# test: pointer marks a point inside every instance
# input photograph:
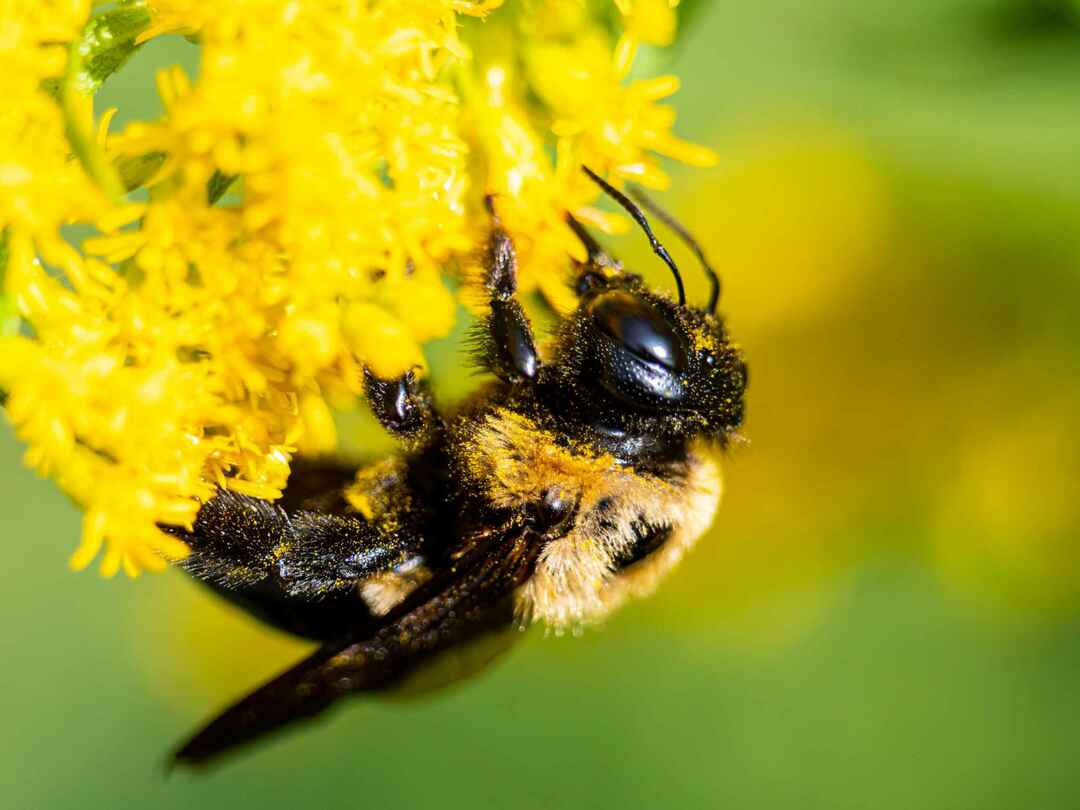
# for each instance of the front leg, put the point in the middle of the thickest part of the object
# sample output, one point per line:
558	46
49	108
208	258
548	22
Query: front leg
507	346
599	267
599	260
403	406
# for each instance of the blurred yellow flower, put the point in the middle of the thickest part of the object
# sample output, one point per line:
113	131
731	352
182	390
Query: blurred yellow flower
288	221
1007	523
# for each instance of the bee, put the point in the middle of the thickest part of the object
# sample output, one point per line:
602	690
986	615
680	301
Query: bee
573	481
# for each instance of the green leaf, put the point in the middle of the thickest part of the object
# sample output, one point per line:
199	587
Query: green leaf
217	185
135	171
79	128
108	41
689	12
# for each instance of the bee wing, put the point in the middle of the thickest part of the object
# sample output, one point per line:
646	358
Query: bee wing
470	598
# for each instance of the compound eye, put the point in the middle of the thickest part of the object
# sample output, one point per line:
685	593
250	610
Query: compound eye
640	328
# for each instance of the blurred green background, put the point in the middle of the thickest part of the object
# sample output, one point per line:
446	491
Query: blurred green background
886	612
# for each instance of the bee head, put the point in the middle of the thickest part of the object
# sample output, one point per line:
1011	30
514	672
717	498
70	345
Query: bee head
655	357
643	364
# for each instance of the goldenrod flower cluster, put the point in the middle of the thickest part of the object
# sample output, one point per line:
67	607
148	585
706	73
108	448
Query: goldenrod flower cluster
292	218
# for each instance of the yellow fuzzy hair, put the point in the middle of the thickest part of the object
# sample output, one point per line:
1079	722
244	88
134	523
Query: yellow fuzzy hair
575	583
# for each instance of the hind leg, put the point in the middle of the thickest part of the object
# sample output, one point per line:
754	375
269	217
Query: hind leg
239	542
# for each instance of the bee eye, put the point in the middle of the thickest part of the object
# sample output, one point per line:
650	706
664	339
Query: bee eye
640	328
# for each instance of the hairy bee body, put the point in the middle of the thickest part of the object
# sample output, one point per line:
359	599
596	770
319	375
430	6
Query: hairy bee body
575	480
628	526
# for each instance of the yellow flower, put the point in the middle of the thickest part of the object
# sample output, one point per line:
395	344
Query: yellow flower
651	21
196	340
40	189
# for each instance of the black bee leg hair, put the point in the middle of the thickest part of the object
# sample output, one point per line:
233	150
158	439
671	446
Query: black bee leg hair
403	406
507	346
239	542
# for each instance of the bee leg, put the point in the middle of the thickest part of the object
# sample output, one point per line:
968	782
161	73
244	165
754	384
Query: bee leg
508	348
403	406
598	267
598	259
239	542
471	598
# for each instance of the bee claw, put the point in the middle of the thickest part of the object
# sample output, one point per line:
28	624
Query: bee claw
397	403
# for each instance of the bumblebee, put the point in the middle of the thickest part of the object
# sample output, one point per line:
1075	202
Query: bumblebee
575	480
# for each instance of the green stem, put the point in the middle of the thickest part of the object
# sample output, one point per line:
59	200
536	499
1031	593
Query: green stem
80	132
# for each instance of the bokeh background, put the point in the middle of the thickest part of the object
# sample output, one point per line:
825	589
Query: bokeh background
887	612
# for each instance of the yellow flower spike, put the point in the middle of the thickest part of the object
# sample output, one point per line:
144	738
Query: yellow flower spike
650	21
103	126
93	536
110	563
119	216
380	340
601	220
170	548
475	8
143	556
685	152
319	435
115	248
646	174
659	88
424	305
558	293
311	338
196	342
625	53
18	358
172	84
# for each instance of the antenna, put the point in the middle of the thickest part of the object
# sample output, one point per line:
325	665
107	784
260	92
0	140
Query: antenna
639	218
682	233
